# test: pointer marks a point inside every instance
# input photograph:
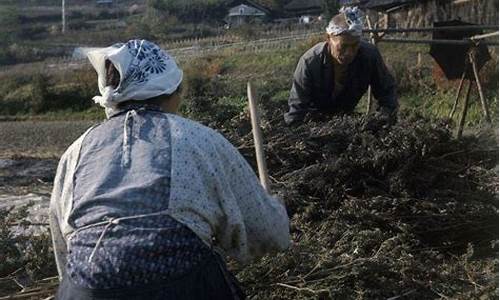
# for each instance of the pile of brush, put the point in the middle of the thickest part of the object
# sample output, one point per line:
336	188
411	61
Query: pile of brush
378	211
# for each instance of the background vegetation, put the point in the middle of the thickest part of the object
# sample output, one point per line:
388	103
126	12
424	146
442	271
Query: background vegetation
219	81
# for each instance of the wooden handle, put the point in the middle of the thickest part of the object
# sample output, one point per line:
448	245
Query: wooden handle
257	137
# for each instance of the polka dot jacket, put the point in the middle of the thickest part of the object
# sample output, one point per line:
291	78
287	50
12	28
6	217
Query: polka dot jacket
163	184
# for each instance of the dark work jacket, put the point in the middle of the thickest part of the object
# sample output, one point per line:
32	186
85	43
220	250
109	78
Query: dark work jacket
313	84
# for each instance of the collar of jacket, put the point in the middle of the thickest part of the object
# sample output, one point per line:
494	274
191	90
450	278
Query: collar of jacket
135	106
326	55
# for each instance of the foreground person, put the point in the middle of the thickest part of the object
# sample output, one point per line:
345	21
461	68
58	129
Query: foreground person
145	204
332	76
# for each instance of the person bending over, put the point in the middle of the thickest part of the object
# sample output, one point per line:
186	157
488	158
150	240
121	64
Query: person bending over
332	76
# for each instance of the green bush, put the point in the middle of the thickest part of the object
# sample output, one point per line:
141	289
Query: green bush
30	97
38	94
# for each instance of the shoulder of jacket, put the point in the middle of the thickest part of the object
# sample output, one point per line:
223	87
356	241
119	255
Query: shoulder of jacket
368	49
182	126
314	53
74	149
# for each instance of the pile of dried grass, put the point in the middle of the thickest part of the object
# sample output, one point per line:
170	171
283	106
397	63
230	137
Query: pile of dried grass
377	212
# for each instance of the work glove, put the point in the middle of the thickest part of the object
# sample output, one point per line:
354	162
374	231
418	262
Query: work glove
383	118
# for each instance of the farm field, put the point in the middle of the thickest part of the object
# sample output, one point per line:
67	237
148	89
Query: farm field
378	211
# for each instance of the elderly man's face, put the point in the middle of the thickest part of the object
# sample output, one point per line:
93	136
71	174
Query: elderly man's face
344	48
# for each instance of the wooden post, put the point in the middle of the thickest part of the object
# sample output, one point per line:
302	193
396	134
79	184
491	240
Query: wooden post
373	40
257	137
63	12
484	105
460	86
369	104
464	111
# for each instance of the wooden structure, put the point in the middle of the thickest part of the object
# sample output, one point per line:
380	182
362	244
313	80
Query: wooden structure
244	13
470	70
249	11
423	13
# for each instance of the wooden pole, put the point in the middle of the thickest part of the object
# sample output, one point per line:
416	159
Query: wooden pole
484	36
432	29
464	111
434	42
462	80
369	104
484	105
63	12
373	40
257	137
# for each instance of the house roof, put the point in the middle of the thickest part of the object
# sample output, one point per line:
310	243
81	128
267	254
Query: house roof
266	6
245	10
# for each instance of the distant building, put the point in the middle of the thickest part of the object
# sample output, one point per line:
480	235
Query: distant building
305	20
245	13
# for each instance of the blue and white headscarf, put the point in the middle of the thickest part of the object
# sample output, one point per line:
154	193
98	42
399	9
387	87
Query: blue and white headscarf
146	71
354	19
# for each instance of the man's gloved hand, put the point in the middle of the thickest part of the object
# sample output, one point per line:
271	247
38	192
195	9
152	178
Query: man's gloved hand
391	115
383	118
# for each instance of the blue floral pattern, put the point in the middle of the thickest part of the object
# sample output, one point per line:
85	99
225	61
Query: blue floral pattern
148	59
354	18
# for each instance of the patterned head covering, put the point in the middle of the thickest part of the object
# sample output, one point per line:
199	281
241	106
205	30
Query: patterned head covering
146	71
354	20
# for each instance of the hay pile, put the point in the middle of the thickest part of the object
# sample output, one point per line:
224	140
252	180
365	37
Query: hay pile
401	212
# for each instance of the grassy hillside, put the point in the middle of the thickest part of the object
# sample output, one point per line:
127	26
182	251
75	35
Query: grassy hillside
219	81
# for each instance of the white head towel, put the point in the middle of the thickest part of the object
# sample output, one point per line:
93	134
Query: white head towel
354	20
146	71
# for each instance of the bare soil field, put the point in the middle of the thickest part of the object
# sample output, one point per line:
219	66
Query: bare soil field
36	139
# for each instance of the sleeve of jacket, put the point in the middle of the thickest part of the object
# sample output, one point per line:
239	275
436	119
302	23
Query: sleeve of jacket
383	84
265	217
300	94
61	202
55	217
